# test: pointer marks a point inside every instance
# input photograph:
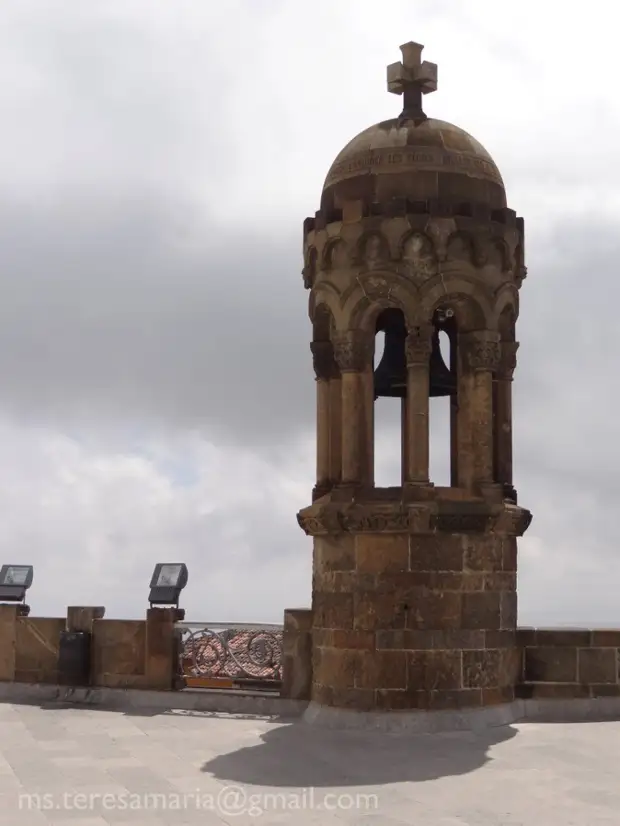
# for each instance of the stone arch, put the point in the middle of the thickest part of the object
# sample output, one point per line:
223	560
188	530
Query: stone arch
323	323
325	293
309	270
498	254
373	293
519	263
506	297
506	323
417	250
464	293
372	249
461	247
335	255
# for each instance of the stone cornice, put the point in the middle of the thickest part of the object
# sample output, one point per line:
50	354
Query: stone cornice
423	518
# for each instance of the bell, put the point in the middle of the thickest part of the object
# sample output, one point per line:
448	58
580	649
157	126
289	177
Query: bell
391	373
390	377
442	380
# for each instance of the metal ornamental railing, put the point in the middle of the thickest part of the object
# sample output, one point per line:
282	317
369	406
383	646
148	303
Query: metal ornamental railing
229	654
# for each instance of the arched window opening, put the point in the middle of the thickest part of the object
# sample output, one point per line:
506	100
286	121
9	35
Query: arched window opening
390	390
443	401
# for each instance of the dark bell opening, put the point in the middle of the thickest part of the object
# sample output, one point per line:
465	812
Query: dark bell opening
390	377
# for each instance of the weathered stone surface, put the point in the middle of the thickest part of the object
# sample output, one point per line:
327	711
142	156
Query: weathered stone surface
483	553
385	668
597	665
437	553
382	553
435	610
435	670
37	640
481	610
118	650
334	554
81	618
481	669
297	654
551	664
333	610
8	631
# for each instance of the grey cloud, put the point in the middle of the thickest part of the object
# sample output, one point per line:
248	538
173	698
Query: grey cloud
104	313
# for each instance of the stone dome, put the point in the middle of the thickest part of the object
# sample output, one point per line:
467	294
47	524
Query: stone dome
419	160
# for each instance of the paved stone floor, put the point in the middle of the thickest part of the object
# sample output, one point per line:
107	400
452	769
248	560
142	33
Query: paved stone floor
90	766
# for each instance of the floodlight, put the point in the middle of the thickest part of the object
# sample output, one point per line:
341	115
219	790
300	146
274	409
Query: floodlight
167	582
14	582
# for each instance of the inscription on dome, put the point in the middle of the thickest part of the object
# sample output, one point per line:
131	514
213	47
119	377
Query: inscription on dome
386	161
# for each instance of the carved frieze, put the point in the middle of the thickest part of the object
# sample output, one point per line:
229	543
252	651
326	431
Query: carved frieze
311	525
371	519
461	522
418	344
353	350
377	517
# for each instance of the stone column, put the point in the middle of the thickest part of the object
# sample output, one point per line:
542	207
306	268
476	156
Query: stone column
479	361
417	351
503	416
325	369
353	354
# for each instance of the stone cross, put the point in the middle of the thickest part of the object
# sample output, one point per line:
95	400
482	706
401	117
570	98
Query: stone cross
412	78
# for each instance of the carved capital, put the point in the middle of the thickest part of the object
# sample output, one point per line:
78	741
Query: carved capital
508	359
323	360
482	351
352	351
418	344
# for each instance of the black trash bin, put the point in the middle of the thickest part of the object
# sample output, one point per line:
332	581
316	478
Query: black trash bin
74	658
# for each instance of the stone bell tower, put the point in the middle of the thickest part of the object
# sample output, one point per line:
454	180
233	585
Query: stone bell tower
414	600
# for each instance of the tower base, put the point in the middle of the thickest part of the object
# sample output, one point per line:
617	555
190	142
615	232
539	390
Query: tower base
414	606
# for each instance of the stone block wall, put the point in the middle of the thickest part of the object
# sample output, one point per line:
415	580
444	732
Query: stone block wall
28	647
414	621
119	648
124	653
569	663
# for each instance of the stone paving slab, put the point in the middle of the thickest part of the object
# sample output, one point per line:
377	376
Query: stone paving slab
94	767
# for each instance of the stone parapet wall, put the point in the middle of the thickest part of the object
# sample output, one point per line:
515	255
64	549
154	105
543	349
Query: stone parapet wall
123	653
569	663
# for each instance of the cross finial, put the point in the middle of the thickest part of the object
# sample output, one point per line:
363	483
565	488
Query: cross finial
412	78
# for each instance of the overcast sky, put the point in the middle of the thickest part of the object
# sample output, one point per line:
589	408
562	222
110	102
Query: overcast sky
156	393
